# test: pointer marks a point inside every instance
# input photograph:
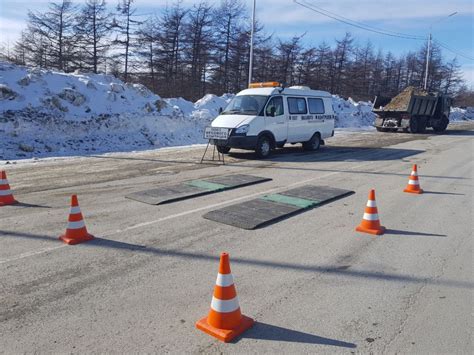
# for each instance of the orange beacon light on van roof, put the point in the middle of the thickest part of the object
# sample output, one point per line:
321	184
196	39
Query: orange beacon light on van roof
268	84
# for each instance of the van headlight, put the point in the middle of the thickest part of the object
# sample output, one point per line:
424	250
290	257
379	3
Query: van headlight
242	129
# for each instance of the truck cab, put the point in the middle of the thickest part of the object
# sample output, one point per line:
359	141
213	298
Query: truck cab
267	116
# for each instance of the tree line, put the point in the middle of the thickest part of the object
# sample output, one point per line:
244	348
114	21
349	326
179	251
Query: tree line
191	51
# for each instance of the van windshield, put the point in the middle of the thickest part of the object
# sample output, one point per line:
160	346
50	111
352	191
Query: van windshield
245	105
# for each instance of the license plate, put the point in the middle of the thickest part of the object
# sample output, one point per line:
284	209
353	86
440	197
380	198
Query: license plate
216	133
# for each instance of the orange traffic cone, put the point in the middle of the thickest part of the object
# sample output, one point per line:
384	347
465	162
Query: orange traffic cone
6	196
224	320
413	183
76	231
370	222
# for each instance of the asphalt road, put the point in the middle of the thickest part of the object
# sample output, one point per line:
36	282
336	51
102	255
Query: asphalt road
311	282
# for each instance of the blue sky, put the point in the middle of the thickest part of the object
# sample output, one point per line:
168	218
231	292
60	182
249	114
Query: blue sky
285	19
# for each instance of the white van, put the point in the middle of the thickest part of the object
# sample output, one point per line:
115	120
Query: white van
266	116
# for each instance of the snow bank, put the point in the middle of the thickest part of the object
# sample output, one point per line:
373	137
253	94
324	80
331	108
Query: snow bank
461	114
74	97
351	113
46	113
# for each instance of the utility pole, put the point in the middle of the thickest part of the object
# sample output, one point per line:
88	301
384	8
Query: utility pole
430	37
251	42
427	61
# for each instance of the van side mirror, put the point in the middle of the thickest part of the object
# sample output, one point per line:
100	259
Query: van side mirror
272	111
220	110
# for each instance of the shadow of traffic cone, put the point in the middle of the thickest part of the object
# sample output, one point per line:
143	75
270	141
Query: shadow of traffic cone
370	221
6	195
76	231
224	321
413	186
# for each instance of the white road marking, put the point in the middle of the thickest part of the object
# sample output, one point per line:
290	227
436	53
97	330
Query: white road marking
31	253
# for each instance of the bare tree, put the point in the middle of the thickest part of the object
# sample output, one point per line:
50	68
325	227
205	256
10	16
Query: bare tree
92	30
126	26
227	20
342	60
147	40
55	27
170	51
198	44
288	53
452	79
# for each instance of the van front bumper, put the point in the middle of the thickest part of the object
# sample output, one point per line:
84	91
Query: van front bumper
241	142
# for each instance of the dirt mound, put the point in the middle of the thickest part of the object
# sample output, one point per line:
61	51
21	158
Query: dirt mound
402	100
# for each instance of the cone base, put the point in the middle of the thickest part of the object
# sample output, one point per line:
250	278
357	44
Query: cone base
225	335
73	241
420	191
14	202
371	231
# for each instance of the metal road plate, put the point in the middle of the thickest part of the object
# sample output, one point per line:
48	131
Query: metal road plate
274	207
194	188
166	194
252	214
237	180
321	194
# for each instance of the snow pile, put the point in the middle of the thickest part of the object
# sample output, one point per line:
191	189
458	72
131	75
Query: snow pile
350	113
208	107
461	114
75	97
47	113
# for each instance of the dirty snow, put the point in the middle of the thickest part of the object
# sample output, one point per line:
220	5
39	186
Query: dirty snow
44	113
461	114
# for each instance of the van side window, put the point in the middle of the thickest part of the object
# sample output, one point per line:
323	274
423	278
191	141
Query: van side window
316	106
297	105
277	103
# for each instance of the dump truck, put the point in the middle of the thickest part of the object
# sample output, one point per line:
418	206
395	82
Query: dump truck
412	110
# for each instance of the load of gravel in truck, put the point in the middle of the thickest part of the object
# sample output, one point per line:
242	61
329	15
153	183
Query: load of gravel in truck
402	100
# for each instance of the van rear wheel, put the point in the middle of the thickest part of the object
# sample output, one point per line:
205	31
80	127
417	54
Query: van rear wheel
313	144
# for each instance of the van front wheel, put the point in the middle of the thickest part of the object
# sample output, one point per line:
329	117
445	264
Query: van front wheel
264	147
313	144
223	149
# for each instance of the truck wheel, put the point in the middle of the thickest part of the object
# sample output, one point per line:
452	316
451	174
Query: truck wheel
264	147
413	127
441	125
422	121
223	149
313	144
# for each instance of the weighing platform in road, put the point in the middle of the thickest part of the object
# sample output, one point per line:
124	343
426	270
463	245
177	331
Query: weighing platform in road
275	207
195	188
